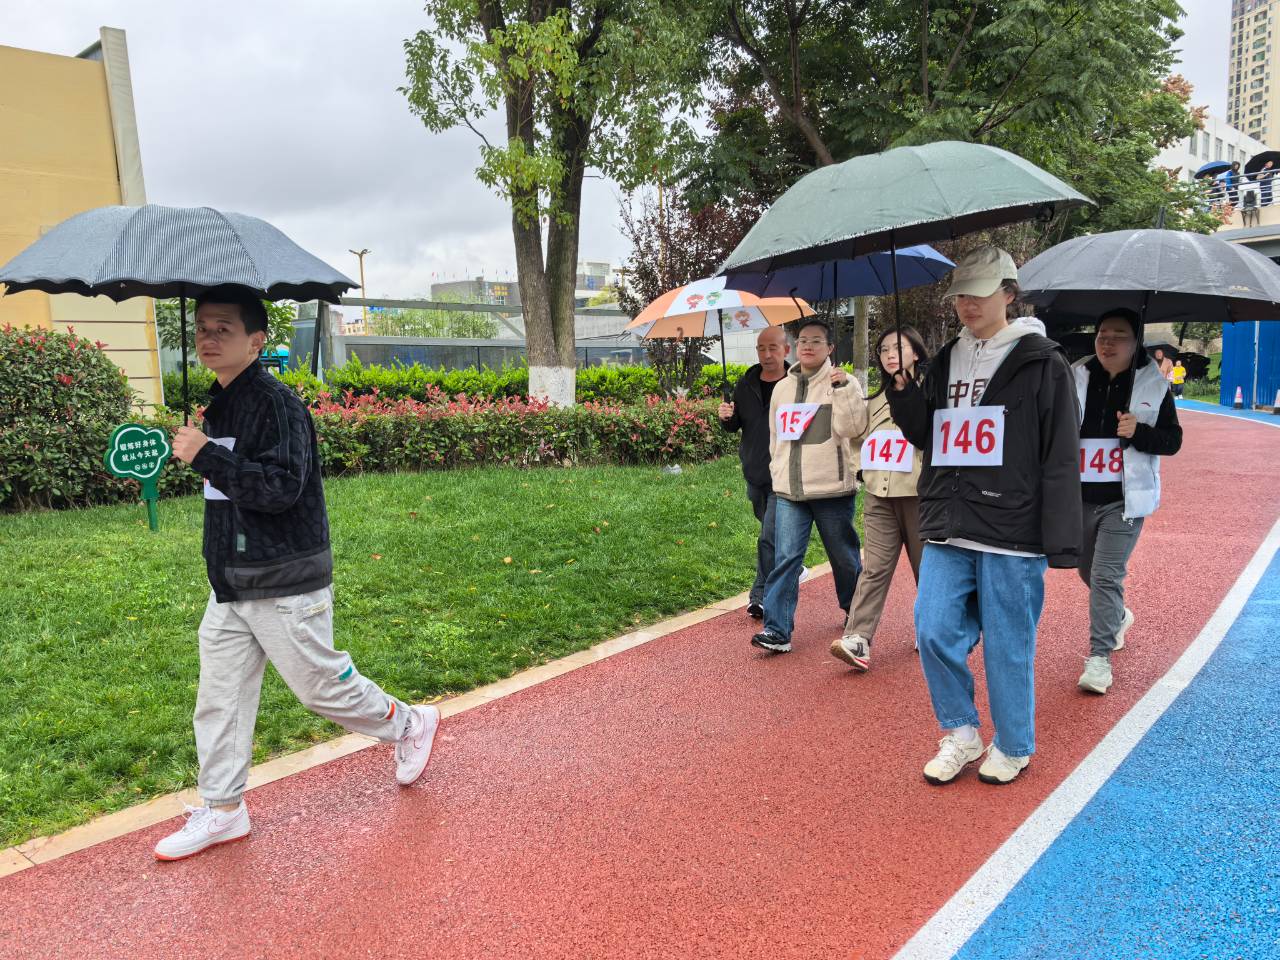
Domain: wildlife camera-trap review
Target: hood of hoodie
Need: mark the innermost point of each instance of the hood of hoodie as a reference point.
(974, 362)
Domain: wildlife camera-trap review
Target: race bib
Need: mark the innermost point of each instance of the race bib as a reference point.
(968, 437)
(1101, 461)
(887, 450)
(210, 491)
(793, 418)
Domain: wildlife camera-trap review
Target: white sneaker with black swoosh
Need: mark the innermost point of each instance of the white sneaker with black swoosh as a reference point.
(205, 827)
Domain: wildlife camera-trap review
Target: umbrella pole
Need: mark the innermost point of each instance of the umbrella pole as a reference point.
(724, 364)
(897, 302)
(186, 393)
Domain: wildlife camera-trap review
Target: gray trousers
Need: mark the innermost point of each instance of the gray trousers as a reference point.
(1109, 539)
(764, 504)
(296, 635)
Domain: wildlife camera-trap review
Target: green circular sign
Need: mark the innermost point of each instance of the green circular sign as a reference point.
(139, 453)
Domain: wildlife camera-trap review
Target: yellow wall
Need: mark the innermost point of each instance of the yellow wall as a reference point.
(58, 158)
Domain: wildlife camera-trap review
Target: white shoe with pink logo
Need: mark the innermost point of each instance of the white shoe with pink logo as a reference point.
(205, 827)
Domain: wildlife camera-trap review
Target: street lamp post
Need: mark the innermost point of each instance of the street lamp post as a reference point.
(364, 311)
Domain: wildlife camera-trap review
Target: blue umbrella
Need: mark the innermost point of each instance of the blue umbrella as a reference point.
(1212, 169)
(867, 276)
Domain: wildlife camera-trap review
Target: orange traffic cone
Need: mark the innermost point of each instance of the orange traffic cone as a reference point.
(1275, 407)
(1239, 404)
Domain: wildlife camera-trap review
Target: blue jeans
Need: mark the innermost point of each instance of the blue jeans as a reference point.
(963, 592)
(793, 524)
(763, 504)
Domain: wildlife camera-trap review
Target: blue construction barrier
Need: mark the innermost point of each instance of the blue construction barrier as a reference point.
(1241, 342)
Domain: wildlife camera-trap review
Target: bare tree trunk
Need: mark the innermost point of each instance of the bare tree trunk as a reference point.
(562, 264)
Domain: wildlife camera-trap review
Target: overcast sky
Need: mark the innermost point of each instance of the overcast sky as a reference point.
(288, 110)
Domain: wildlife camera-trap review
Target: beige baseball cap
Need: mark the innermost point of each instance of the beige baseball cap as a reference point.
(980, 273)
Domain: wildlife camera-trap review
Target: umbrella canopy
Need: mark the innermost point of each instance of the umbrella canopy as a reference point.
(155, 251)
(1260, 160)
(1164, 275)
(1212, 169)
(699, 309)
(898, 198)
(869, 276)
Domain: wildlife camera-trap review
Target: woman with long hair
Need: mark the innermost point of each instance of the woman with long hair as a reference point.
(890, 505)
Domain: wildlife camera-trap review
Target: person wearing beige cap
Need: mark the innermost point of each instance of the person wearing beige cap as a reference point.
(999, 501)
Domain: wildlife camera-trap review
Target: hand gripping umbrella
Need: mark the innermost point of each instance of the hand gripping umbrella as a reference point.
(902, 197)
(155, 251)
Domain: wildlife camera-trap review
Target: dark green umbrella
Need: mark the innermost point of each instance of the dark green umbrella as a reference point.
(898, 198)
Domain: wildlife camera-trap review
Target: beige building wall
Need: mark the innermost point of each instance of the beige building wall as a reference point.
(1253, 82)
(70, 144)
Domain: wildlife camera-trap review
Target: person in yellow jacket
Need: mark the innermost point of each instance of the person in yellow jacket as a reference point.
(890, 504)
(1179, 376)
(815, 413)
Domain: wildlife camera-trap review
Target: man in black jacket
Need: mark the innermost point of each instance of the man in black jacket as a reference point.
(999, 500)
(749, 412)
(266, 549)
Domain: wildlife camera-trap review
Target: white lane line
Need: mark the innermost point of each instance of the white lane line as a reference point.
(1229, 416)
(957, 920)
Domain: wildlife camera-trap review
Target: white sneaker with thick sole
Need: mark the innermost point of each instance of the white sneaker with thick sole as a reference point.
(413, 750)
(1097, 675)
(1125, 624)
(1001, 768)
(953, 756)
(853, 650)
(205, 827)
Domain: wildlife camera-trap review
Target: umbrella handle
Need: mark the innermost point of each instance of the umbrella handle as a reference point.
(186, 391)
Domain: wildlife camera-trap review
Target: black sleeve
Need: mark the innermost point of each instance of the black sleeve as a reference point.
(734, 423)
(1061, 513)
(272, 481)
(909, 408)
(1164, 437)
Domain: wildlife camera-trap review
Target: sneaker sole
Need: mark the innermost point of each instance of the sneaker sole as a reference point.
(996, 781)
(185, 856)
(1100, 690)
(772, 648)
(935, 781)
(840, 653)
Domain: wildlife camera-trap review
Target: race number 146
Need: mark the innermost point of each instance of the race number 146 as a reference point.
(968, 437)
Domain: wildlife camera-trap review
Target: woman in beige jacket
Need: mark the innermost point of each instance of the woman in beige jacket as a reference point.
(890, 505)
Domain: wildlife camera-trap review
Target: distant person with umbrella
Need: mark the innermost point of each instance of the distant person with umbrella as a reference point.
(890, 504)
(748, 412)
(814, 414)
(1231, 181)
(1128, 421)
(1264, 178)
(266, 548)
(999, 490)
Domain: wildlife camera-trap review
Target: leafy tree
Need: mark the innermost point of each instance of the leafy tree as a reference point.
(416, 322)
(581, 84)
(280, 318)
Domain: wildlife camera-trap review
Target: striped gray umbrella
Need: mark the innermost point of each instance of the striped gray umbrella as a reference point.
(155, 251)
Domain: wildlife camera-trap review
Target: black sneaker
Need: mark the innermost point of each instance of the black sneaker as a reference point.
(755, 610)
(771, 642)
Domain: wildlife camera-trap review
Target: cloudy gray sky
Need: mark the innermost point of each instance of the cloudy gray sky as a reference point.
(288, 110)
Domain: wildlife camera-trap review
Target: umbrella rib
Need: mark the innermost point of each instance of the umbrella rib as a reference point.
(240, 243)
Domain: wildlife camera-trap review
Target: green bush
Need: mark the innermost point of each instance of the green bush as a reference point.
(60, 398)
(199, 383)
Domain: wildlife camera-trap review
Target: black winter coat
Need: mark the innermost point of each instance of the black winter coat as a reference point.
(1031, 502)
(270, 537)
(751, 416)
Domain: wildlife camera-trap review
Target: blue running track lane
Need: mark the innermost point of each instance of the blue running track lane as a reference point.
(1176, 856)
(1257, 416)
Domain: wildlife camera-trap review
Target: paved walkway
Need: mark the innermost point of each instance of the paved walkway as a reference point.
(692, 797)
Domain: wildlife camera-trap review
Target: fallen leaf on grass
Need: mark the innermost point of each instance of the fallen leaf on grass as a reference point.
(506, 559)
(376, 556)
(535, 571)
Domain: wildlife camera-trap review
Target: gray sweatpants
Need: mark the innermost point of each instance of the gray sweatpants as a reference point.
(296, 635)
(1109, 539)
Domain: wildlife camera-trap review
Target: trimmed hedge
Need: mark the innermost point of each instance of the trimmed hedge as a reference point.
(604, 384)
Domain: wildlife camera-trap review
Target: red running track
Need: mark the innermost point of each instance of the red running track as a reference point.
(691, 797)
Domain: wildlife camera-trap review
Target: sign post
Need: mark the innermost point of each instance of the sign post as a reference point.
(140, 453)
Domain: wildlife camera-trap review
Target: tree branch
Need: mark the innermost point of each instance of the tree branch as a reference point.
(955, 59)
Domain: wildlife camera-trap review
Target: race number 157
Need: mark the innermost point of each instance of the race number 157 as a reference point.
(970, 437)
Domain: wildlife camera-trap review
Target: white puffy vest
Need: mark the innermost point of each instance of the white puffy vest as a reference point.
(1141, 479)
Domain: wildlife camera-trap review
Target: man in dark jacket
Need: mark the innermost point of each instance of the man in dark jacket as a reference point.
(999, 492)
(749, 412)
(266, 548)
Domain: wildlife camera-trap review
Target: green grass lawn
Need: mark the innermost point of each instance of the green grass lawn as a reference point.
(98, 616)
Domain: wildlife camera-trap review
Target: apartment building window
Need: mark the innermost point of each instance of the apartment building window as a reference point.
(1204, 145)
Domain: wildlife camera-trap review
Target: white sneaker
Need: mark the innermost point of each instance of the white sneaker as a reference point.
(953, 756)
(853, 650)
(805, 574)
(1097, 675)
(413, 750)
(205, 827)
(1000, 768)
(1125, 624)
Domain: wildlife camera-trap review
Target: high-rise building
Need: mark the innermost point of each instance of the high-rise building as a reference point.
(1253, 83)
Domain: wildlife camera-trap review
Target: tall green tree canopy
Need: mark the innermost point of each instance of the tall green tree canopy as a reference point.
(579, 84)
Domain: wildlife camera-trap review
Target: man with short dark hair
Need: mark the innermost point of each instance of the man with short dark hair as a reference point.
(266, 549)
(749, 412)
(814, 414)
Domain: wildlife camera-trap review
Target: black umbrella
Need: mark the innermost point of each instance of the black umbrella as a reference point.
(155, 251)
(1260, 160)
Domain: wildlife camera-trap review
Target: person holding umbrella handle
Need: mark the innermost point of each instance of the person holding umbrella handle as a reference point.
(996, 421)
(1120, 474)
(266, 549)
